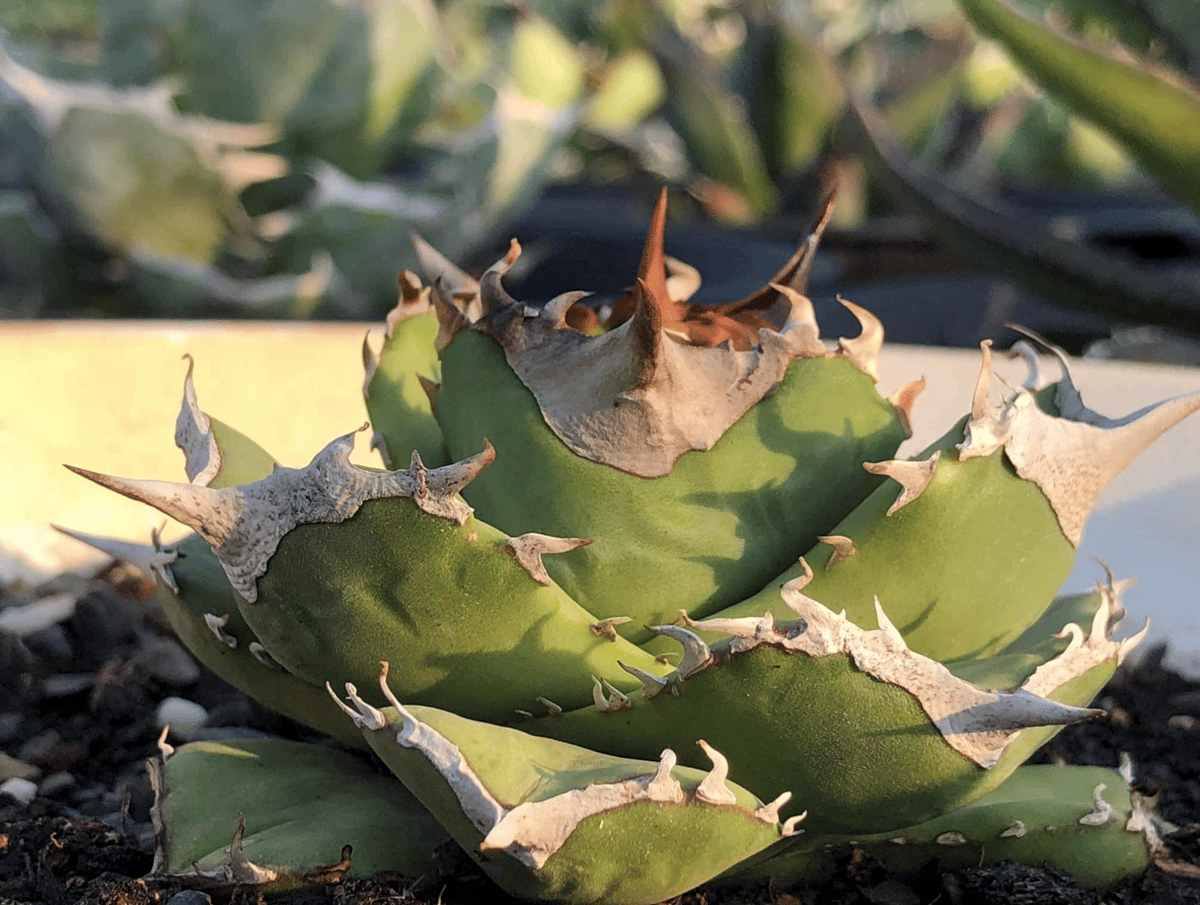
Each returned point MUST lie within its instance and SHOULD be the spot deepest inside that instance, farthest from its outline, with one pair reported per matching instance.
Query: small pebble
(10, 722)
(1183, 722)
(22, 790)
(39, 746)
(66, 684)
(167, 660)
(190, 897)
(11, 766)
(183, 716)
(57, 784)
(33, 617)
(52, 645)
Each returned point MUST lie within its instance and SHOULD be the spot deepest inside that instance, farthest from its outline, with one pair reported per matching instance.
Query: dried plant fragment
(244, 524)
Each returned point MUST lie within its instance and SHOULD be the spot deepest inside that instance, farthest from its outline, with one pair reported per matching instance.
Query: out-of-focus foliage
(450, 118)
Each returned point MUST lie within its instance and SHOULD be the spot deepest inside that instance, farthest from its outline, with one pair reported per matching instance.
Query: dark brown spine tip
(653, 267)
(645, 328)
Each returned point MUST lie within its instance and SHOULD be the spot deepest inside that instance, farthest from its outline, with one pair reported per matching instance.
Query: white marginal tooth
(902, 402)
(165, 749)
(651, 684)
(216, 624)
(1016, 831)
(260, 653)
(598, 698)
(713, 788)
(863, 350)
(1075, 632)
(1125, 767)
(683, 280)
(801, 329)
(663, 786)
(369, 717)
(889, 630)
(696, 654)
(617, 700)
(769, 813)
(1129, 644)
(913, 477)
(1101, 811)
(554, 709)
(791, 826)
(1024, 350)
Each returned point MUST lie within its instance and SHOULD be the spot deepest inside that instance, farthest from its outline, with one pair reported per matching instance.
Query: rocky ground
(89, 670)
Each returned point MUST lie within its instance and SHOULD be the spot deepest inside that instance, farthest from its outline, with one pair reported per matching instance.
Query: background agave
(670, 696)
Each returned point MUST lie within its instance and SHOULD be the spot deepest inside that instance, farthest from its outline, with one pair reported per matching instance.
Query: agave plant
(653, 602)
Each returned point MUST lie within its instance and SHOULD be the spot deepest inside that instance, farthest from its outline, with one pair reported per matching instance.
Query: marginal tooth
(1024, 350)
(791, 826)
(554, 709)
(1101, 812)
(447, 481)
(713, 788)
(431, 389)
(683, 280)
(663, 786)
(889, 630)
(261, 654)
(153, 559)
(769, 813)
(1129, 644)
(617, 700)
(216, 624)
(414, 299)
(652, 269)
(345, 708)
(438, 267)
(843, 548)
(863, 350)
(369, 717)
(528, 550)
(492, 294)
(370, 360)
(165, 748)
(696, 654)
(902, 403)
(241, 868)
(1125, 767)
(801, 328)
(1076, 634)
(980, 406)
(524, 714)
(951, 838)
(555, 310)
(738, 627)
(605, 627)
(451, 320)
(1015, 831)
(652, 685)
(913, 477)
(598, 697)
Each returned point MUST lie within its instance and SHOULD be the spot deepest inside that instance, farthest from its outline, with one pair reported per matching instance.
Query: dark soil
(78, 703)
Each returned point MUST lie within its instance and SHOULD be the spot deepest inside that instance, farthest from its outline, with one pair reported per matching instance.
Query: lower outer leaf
(301, 804)
(1041, 814)
(553, 821)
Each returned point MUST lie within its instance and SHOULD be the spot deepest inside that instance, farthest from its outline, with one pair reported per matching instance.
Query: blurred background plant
(270, 157)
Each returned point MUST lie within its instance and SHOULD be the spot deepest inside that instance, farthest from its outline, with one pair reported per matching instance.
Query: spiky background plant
(760, 639)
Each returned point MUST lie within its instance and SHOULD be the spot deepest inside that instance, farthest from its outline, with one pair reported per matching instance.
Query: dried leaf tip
(1072, 457)
(244, 524)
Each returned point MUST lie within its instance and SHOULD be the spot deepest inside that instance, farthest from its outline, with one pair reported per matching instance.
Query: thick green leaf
(1156, 116)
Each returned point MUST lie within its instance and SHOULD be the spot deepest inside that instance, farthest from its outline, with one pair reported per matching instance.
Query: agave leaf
(556, 822)
(714, 124)
(268, 812)
(1040, 814)
(998, 239)
(1155, 115)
